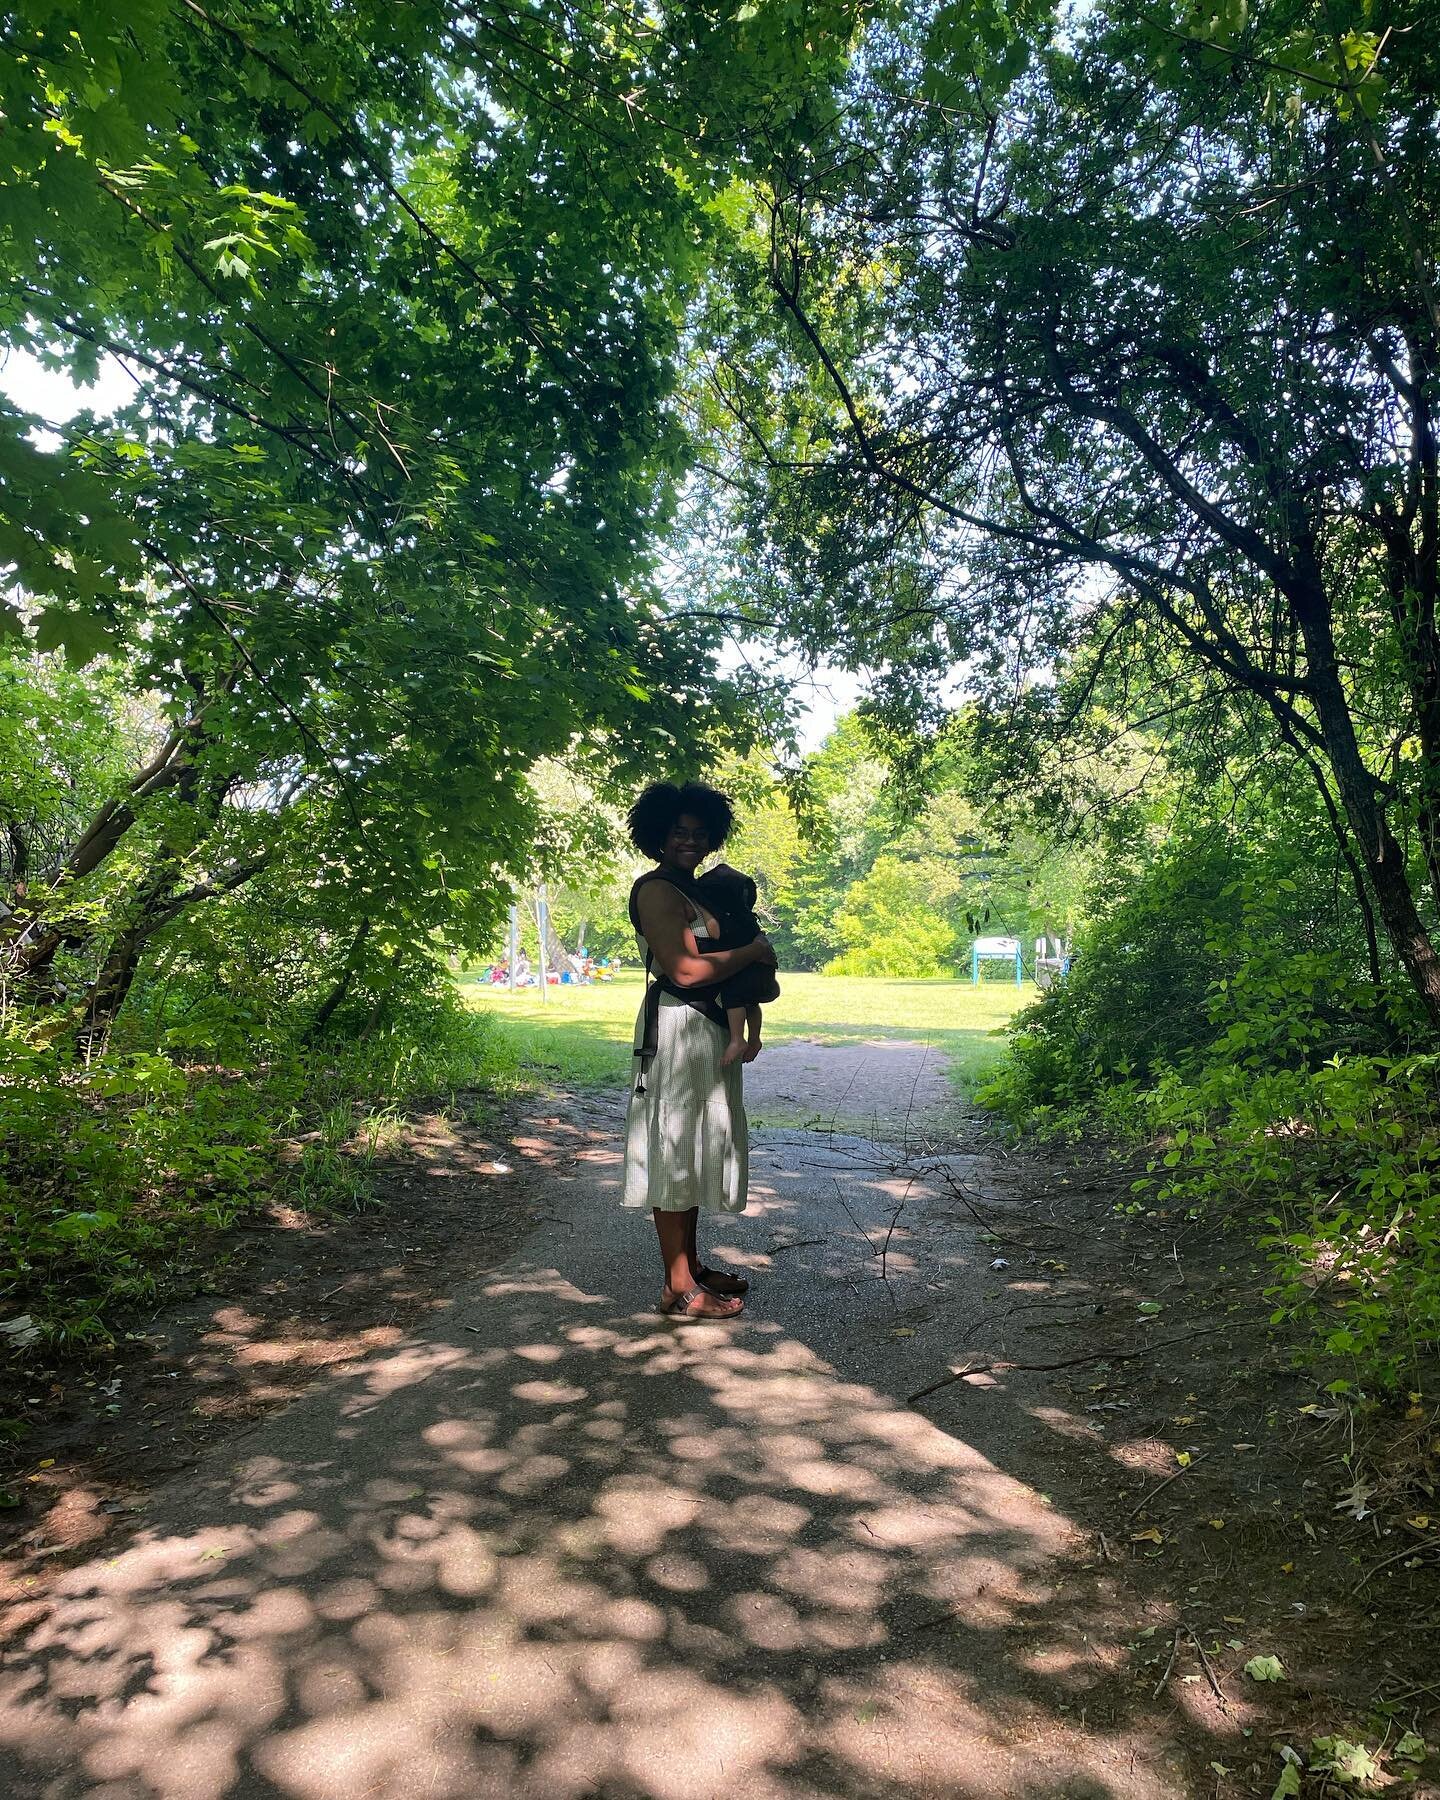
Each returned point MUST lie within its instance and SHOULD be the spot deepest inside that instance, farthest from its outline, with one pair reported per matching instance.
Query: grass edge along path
(581, 1036)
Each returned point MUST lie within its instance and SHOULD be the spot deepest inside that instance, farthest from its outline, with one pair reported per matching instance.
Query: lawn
(583, 1034)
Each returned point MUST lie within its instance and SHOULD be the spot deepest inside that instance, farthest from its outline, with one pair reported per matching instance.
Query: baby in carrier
(731, 897)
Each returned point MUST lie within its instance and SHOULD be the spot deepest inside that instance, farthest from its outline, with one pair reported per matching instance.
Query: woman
(686, 1144)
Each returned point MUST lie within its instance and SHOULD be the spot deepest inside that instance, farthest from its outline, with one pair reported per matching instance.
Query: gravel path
(554, 1546)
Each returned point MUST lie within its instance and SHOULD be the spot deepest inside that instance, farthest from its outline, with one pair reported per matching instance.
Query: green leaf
(1265, 1668)
(82, 636)
(83, 1224)
(1347, 1762)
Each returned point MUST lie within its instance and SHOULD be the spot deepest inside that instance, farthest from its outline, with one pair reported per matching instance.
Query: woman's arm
(665, 926)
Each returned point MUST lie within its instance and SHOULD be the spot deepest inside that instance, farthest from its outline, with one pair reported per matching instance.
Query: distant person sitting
(731, 896)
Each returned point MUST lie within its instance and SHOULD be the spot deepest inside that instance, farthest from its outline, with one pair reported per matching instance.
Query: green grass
(582, 1035)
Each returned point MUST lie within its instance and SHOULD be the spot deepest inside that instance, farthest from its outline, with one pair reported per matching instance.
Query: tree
(401, 290)
(1126, 360)
(887, 928)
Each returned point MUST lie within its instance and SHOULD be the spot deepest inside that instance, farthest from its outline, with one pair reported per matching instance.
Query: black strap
(699, 999)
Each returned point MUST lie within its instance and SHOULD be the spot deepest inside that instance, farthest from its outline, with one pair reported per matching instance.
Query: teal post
(975, 965)
(1019, 973)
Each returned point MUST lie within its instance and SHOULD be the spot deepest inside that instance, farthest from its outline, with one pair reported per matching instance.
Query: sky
(53, 396)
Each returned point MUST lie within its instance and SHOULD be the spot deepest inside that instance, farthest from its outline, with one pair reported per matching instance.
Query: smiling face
(687, 843)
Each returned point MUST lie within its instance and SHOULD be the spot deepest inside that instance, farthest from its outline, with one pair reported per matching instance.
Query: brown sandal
(682, 1306)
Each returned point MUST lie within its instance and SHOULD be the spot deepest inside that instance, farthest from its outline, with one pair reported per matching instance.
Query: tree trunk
(380, 1010)
(109, 992)
(1380, 853)
(342, 984)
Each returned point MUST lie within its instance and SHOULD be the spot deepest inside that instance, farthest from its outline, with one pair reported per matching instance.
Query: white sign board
(997, 946)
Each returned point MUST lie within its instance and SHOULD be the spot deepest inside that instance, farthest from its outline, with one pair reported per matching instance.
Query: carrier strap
(699, 999)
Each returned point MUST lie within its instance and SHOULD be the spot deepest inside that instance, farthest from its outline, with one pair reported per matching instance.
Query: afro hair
(661, 804)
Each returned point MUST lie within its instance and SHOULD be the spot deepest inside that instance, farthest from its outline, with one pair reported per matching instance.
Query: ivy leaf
(1265, 1668)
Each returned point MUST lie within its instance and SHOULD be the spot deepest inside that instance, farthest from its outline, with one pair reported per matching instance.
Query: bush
(1205, 1016)
(888, 930)
(904, 956)
(106, 1170)
(113, 1174)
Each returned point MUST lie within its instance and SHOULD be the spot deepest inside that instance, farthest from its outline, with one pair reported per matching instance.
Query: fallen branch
(1072, 1362)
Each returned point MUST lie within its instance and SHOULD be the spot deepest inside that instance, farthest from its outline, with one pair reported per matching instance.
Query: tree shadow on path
(558, 1547)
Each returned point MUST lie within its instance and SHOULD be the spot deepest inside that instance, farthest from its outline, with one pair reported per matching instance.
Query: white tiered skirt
(686, 1140)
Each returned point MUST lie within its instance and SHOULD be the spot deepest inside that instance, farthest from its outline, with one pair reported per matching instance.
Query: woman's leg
(676, 1232)
(716, 1280)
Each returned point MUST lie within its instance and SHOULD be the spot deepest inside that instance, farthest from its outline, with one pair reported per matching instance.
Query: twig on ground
(1174, 1652)
(1184, 1469)
(883, 1250)
(894, 1220)
(794, 1244)
(1072, 1362)
(1418, 1687)
(1186, 1629)
(1394, 1557)
(958, 1191)
(1206, 1665)
(951, 1612)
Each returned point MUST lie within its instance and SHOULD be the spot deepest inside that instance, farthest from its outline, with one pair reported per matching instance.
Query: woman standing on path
(686, 1141)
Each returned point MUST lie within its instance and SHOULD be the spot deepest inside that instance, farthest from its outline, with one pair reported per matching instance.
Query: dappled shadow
(559, 1547)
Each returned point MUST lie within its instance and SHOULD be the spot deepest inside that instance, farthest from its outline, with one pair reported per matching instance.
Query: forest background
(855, 874)
(491, 374)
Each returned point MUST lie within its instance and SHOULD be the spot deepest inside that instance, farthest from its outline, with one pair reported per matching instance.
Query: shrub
(1217, 1013)
(113, 1174)
(887, 929)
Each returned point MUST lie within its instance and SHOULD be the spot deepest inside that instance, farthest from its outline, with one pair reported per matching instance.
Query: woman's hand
(762, 951)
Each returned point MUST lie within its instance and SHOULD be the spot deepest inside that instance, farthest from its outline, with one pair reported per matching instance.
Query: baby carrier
(701, 999)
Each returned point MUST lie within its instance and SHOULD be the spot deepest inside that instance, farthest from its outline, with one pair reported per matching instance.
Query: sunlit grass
(582, 1035)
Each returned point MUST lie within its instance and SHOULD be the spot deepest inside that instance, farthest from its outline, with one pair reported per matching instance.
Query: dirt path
(888, 1089)
(545, 1544)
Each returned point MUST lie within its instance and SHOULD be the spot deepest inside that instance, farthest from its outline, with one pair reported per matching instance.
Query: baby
(731, 897)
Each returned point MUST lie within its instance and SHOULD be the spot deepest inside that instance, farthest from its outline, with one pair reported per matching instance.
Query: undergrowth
(116, 1176)
(1264, 1101)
